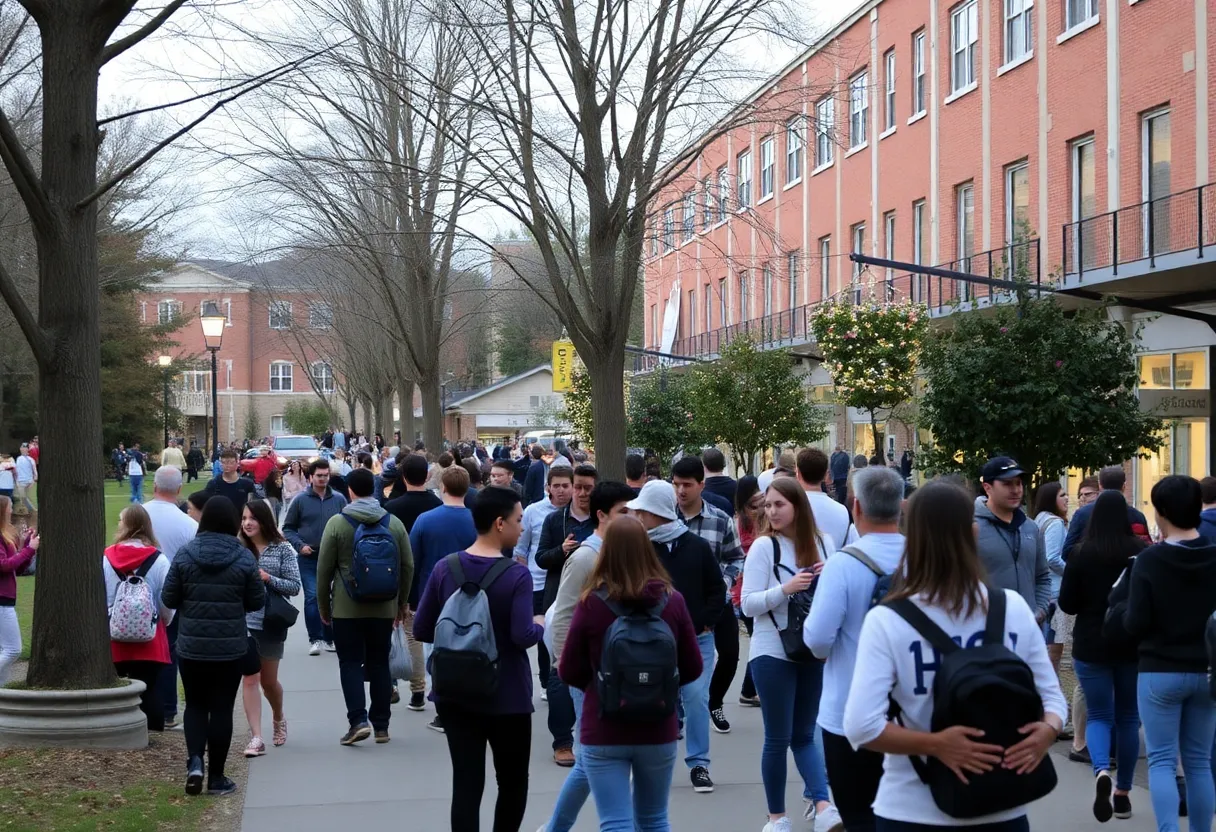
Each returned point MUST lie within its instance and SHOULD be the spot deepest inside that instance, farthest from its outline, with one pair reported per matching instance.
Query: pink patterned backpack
(135, 612)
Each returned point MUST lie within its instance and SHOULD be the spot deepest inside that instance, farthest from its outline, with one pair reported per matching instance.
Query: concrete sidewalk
(314, 785)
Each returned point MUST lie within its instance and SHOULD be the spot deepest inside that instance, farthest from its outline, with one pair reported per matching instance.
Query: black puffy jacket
(213, 581)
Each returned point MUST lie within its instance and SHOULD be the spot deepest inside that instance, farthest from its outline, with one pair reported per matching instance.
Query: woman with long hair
(136, 552)
(1105, 667)
(782, 563)
(279, 570)
(272, 488)
(941, 577)
(749, 514)
(213, 582)
(295, 481)
(1050, 514)
(627, 575)
(17, 549)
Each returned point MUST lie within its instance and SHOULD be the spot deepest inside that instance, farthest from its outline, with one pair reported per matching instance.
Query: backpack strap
(994, 629)
(146, 566)
(857, 554)
(619, 611)
(384, 521)
(914, 615)
(453, 562)
(492, 574)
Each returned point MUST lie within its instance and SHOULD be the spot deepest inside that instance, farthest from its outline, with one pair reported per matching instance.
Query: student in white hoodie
(832, 630)
(942, 577)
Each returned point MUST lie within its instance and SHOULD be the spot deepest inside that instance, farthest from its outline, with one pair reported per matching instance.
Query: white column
(934, 103)
(1046, 233)
(986, 122)
(1112, 103)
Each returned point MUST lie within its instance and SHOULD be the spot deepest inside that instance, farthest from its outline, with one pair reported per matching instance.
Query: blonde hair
(135, 524)
(7, 530)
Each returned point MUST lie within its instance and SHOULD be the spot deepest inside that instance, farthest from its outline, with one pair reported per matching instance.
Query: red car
(283, 451)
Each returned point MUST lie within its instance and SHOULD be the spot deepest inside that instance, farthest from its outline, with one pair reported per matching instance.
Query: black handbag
(279, 614)
(798, 608)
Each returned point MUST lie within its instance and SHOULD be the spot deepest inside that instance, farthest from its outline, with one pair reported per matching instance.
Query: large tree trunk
(70, 642)
(366, 427)
(350, 408)
(405, 393)
(432, 414)
(608, 410)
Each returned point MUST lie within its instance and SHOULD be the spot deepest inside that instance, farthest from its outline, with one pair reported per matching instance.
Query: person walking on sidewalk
(137, 462)
(172, 456)
(558, 491)
(363, 629)
(17, 549)
(229, 482)
(303, 526)
(749, 514)
(212, 583)
(279, 569)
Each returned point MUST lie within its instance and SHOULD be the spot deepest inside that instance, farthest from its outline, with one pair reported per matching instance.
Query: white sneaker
(544, 695)
(828, 820)
(314, 649)
(329, 647)
(780, 825)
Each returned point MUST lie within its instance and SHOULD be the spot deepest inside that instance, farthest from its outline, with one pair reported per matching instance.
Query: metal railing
(191, 402)
(1182, 221)
(1017, 261)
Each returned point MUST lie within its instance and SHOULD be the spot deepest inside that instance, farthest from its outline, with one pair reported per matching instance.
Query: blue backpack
(374, 563)
(882, 586)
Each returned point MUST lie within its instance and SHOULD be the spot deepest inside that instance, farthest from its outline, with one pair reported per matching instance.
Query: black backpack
(883, 585)
(987, 687)
(639, 675)
(798, 610)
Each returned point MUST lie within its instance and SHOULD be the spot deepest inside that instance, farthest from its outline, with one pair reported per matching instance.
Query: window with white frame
(168, 311)
(793, 270)
(858, 235)
(793, 150)
(692, 311)
(825, 128)
(195, 381)
(323, 376)
(723, 303)
(709, 307)
(888, 231)
(964, 198)
(918, 73)
(1077, 12)
(278, 426)
(723, 193)
(1017, 217)
(654, 324)
(280, 314)
(889, 90)
(711, 204)
(768, 166)
(743, 176)
(825, 267)
(859, 109)
(1156, 177)
(768, 291)
(320, 316)
(654, 240)
(744, 297)
(689, 216)
(1084, 198)
(920, 244)
(964, 33)
(280, 377)
(669, 228)
(1019, 29)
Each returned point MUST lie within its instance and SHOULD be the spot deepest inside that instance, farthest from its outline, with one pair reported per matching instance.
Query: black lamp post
(164, 361)
(213, 322)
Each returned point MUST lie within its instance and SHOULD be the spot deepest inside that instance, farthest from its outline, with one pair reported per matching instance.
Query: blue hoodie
(1207, 524)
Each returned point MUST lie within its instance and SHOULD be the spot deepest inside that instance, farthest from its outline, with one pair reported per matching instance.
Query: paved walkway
(314, 785)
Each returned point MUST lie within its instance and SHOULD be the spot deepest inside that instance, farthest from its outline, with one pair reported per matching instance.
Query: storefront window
(1190, 370)
(1155, 372)
(863, 438)
(1184, 451)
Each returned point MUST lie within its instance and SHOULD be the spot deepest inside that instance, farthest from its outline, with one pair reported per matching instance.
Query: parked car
(284, 449)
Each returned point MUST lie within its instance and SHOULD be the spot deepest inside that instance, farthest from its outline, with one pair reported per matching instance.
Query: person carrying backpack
(779, 578)
(134, 570)
(855, 579)
(974, 722)
(366, 563)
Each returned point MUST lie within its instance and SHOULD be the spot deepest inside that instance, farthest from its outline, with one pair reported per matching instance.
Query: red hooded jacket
(125, 559)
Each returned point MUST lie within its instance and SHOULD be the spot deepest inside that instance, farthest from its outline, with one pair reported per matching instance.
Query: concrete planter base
(105, 718)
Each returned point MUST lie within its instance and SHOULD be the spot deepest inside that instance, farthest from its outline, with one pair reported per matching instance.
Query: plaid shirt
(715, 527)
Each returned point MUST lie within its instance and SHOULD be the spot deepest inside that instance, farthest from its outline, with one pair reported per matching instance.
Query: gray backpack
(464, 658)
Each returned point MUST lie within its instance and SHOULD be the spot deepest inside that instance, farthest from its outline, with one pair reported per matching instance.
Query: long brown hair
(7, 530)
(135, 524)
(260, 510)
(627, 562)
(940, 560)
(806, 535)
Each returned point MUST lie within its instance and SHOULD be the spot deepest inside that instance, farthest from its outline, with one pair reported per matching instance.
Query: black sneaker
(381, 736)
(417, 702)
(1102, 790)
(1123, 806)
(700, 780)
(395, 698)
(221, 787)
(194, 776)
(357, 733)
(717, 718)
(435, 725)
(749, 701)
(1081, 756)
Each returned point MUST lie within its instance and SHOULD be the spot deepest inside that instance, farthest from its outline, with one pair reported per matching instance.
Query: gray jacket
(278, 560)
(1014, 555)
(307, 516)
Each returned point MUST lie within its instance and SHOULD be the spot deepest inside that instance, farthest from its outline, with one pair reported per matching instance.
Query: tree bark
(432, 415)
(366, 401)
(350, 409)
(405, 393)
(606, 370)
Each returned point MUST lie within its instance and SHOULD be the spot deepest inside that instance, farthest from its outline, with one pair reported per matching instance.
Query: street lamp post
(164, 361)
(213, 322)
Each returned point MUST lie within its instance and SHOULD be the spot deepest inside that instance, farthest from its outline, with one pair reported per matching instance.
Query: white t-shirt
(172, 526)
(766, 479)
(134, 469)
(25, 470)
(894, 661)
(6, 476)
(832, 518)
(762, 593)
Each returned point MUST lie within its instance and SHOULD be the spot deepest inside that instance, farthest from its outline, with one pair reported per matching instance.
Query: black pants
(854, 776)
(363, 647)
(1021, 824)
(150, 700)
(749, 687)
(211, 689)
(842, 491)
(191, 473)
(542, 653)
(510, 740)
(726, 642)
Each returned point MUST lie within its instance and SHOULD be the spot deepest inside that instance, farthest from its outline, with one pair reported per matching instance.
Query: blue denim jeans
(608, 768)
(1179, 719)
(137, 489)
(576, 789)
(312, 613)
(789, 705)
(694, 698)
(168, 674)
(1110, 696)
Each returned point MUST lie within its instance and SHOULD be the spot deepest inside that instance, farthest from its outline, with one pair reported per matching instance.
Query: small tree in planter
(661, 416)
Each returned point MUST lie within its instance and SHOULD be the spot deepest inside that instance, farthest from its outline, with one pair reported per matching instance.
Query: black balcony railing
(1185, 221)
(1017, 261)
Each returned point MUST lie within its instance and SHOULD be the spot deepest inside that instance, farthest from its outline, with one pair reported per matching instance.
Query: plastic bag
(399, 664)
(547, 638)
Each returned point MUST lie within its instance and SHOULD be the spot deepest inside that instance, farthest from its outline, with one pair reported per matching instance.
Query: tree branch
(22, 172)
(123, 44)
(39, 344)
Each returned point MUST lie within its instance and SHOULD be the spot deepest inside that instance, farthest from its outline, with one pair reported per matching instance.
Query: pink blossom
(1004, 329)
(850, 334)
(1059, 362)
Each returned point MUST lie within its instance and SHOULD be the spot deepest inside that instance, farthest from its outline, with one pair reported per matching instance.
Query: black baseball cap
(1000, 468)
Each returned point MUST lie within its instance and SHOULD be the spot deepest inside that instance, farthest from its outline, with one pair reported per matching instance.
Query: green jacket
(337, 548)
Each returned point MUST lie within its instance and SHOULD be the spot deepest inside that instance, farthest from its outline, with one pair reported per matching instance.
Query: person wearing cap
(1011, 547)
(695, 573)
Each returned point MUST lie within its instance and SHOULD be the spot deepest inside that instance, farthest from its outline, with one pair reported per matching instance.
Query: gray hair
(168, 480)
(880, 491)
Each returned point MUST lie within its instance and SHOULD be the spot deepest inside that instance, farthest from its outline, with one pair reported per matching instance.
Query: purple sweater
(514, 630)
(12, 561)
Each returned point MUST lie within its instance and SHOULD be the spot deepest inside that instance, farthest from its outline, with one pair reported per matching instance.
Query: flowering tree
(871, 351)
(660, 416)
(576, 409)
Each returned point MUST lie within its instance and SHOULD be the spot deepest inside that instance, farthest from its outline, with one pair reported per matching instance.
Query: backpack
(464, 656)
(135, 613)
(798, 609)
(374, 562)
(883, 585)
(639, 676)
(987, 687)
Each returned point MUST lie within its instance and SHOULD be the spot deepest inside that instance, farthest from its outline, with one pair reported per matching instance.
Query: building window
(964, 32)
(920, 244)
(793, 150)
(858, 234)
(709, 308)
(1019, 29)
(1185, 450)
(689, 217)
(654, 324)
(280, 377)
(743, 174)
(277, 426)
(768, 166)
(280, 314)
(1084, 200)
(669, 228)
(654, 241)
(723, 193)
(1155, 177)
(889, 98)
(323, 376)
(768, 291)
(1017, 218)
(888, 230)
(224, 306)
(711, 204)
(793, 269)
(859, 109)
(744, 305)
(692, 311)
(918, 73)
(1077, 12)
(168, 311)
(825, 267)
(723, 303)
(964, 197)
(825, 126)
(320, 316)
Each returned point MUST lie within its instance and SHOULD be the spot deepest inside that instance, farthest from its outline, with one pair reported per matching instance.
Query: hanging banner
(563, 366)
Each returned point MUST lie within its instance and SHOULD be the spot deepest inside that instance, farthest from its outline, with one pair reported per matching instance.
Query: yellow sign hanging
(563, 366)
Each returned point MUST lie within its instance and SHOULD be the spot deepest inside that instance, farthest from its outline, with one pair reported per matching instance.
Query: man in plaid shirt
(717, 529)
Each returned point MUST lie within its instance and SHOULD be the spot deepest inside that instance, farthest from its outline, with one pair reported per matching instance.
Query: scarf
(667, 532)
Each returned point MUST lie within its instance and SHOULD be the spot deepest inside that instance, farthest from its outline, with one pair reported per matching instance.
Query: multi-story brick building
(1066, 140)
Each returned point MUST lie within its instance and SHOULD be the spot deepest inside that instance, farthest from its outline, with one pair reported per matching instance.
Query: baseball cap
(657, 497)
(1000, 468)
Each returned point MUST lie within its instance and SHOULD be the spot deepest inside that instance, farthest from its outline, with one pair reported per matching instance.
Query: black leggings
(854, 776)
(510, 739)
(726, 641)
(211, 689)
(749, 687)
(150, 701)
